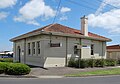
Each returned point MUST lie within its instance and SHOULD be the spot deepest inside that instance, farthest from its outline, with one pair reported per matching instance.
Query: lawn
(114, 71)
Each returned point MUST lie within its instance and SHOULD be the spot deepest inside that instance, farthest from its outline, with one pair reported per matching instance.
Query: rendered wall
(57, 56)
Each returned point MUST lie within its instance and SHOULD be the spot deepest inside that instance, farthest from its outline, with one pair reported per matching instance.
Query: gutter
(57, 34)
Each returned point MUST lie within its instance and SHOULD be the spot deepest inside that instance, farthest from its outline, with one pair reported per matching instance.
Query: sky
(21, 16)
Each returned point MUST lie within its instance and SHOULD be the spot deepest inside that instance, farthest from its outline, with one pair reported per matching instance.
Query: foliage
(91, 62)
(18, 69)
(118, 62)
(84, 63)
(14, 68)
(100, 63)
(71, 63)
(111, 62)
(3, 67)
(6, 59)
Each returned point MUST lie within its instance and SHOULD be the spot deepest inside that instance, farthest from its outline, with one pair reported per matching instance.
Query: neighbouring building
(113, 52)
(5, 54)
(54, 45)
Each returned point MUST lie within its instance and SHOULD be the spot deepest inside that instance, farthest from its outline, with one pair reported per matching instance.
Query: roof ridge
(56, 27)
(68, 27)
(50, 25)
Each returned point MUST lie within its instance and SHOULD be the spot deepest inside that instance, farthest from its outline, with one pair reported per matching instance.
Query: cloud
(7, 3)
(109, 20)
(34, 9)
(114, 35)
(63, 12)
(62, 18)
(22, 19)
(65, 9)
(115, 3)
(3, 15)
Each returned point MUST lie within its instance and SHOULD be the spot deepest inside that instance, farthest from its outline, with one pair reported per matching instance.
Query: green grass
(114, 71)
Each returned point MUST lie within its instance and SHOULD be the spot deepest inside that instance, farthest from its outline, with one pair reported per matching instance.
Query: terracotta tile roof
(113, 47)
(64, 29)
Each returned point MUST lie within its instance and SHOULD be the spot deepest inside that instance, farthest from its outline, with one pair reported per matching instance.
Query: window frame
(29, 48)
(33, 48)
(38, 47)
(75, 50)
(92, 49)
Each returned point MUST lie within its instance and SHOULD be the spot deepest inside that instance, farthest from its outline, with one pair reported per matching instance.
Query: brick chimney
(84, 26)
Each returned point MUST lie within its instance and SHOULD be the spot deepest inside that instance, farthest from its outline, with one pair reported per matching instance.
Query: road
(86, 80)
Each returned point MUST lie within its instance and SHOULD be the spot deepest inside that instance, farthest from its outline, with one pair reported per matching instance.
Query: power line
(57, 11)
(93, 4)
(81, 5)
(108, 4)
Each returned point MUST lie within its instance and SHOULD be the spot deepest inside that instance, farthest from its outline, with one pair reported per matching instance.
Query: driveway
(59, 71)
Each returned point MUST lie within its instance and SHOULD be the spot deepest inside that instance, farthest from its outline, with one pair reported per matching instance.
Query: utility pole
(80, 44)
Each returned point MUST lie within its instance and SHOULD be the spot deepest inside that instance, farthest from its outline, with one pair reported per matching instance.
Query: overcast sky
(21, 16)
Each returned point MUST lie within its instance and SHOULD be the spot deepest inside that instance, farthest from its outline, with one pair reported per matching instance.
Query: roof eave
(58, 34)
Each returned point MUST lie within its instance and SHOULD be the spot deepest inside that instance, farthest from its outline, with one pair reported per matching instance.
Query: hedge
(14, 68)
(71, 63)
(6, 59)
(118, 62)
(100, 62)
(3, 67)
(81, 63)
(111, 62)
(84, 63)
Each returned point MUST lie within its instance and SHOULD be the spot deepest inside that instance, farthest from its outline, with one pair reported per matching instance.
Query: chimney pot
(84, 25)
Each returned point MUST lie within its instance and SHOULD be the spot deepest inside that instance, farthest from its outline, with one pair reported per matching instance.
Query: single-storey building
(113, 51)
(54, 45)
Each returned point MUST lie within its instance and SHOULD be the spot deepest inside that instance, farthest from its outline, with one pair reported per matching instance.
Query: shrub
(118, 62)
(83, 63)
(91, 62)
(17, 69)
(71, 63)
(6, 59)
(100, 63)
(76, 64)
(111, 62)
(3, 67)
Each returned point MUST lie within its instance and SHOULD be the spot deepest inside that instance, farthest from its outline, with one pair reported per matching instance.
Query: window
(33, 47)
(75, 49)
(55, 45)
(38, 47)
(92, 49)
(84, 45)
(29, 50)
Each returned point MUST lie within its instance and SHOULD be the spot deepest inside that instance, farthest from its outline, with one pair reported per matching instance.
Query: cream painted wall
(54, 62)
(56, 56)
(19, 43)
(99, 49)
